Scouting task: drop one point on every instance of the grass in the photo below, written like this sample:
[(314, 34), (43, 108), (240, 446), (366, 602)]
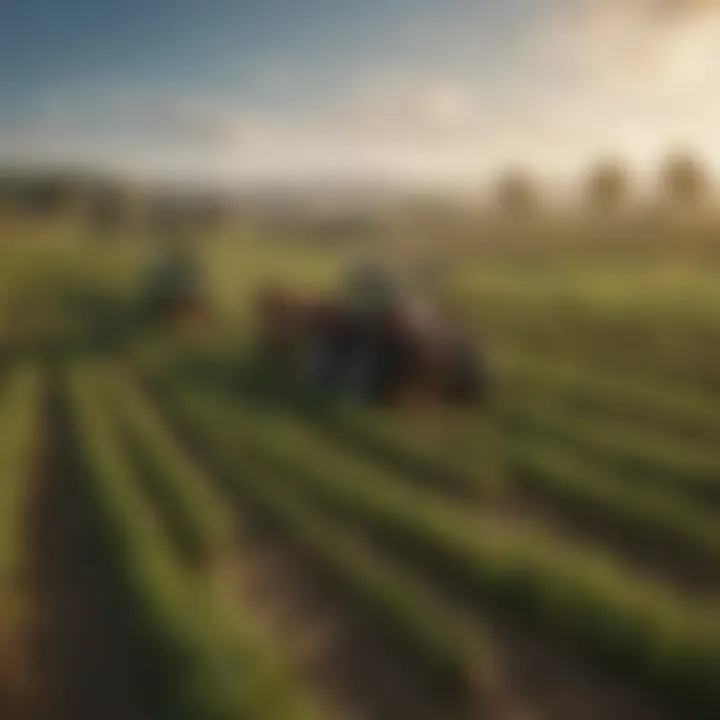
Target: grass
[(609, 368), (638, 456), (452, 646), (640, 626), (198, 657), (625, 397), (19, 436), (203, 522)]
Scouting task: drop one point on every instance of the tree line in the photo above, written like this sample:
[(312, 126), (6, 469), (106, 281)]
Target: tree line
[(109, 204), (681, 181)]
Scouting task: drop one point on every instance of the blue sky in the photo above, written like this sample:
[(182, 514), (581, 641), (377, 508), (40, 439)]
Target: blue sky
[(414, 88)]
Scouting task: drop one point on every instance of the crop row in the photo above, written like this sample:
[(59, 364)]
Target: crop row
[(636, 456), (659, 357), (199, 660), (19, 431), (453, 648), (638, 625), (588, 490), (568, 481), (632, 398), (591, 491), (202, 523)]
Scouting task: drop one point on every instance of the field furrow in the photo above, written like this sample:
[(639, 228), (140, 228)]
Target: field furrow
[(83, 662), (423, 533)]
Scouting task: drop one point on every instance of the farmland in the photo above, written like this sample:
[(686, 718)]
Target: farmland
[(183, 536)]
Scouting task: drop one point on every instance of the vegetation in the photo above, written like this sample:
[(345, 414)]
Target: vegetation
[(580, 508), (637, 624), (199, 660)]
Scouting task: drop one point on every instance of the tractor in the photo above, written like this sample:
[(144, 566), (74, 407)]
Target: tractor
[(371, 343)]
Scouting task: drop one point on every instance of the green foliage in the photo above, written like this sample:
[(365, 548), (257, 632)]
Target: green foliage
[(639, 625), (595, 492), (641, 456), (664, 409), (203, 521), (199, 661), (19, 436)]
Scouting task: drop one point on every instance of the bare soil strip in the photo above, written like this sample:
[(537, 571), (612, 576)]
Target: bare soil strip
[(329, 640), (80, 655)]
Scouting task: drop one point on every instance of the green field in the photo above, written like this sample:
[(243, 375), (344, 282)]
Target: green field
[(182, 537)]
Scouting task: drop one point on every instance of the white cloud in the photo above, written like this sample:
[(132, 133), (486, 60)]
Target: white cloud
[(633, 76)]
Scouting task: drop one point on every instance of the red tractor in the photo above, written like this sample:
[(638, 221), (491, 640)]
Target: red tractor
[(396, 351)]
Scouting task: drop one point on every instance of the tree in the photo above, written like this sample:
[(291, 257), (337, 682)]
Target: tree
[(608, 186), (517, 193), (684, 180)]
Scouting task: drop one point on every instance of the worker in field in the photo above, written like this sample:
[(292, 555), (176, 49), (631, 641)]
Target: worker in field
[(177, 285)]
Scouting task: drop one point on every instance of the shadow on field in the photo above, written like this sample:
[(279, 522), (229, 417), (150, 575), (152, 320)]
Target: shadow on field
[(330, 638), (80, 653)]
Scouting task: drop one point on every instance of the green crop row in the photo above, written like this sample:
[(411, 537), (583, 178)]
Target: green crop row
[(587, 490), (590, 491), (199, 661), (637, 456), (19, 435), (202, 522), (663, 355), (389, 441), (680, 412), (637, 625), (452, 646), (19, 413), (583, 488)]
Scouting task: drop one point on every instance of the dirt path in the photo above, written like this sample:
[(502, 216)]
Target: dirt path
[(80, 657), (331, 642)]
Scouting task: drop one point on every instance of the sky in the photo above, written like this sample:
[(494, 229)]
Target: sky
[(439, 91)]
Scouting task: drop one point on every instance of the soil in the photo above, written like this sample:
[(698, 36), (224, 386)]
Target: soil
[(329, 640), (79, 655), (349, 663)]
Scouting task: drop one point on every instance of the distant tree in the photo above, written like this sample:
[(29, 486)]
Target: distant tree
[(684, 180), (517, 192), (608, 185)]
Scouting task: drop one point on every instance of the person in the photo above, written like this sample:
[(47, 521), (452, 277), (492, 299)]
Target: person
[(176, 281)]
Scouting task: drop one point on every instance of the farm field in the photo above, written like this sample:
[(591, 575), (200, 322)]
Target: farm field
[(184, 536)]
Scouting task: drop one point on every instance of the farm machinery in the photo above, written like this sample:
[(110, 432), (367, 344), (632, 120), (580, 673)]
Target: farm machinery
[(370, 343), (176, 292)]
